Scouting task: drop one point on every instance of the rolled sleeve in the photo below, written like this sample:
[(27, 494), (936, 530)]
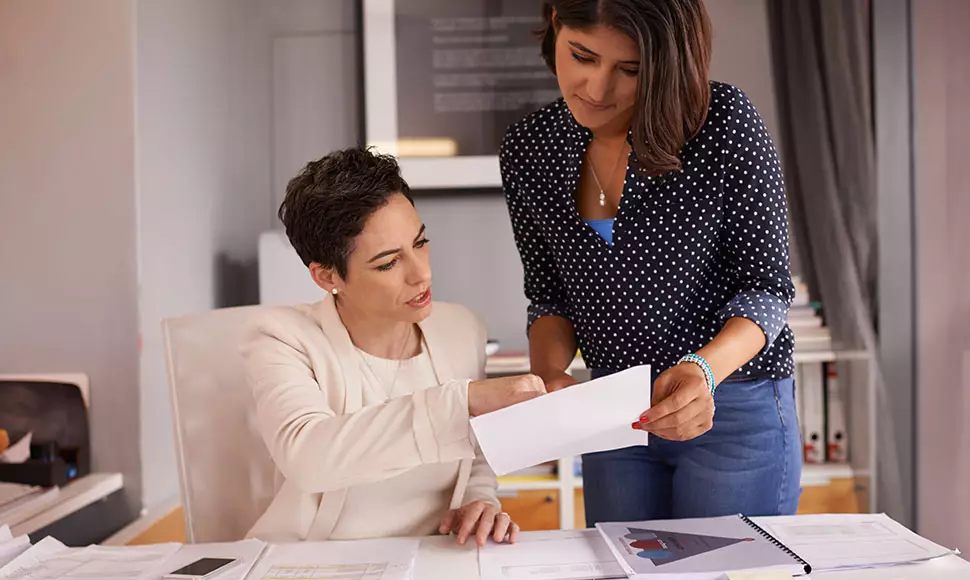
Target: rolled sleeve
[(537, 310), (766, 310)]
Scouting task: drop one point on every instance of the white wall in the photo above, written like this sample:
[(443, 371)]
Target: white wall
[(204, 89), (68, 299), (314, 83), (942, 280), (742, 53)]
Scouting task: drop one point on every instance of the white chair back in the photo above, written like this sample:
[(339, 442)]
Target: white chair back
[(226, 476)]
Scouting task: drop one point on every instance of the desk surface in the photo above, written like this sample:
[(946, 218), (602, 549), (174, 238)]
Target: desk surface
[(441, 558), (74, 496)]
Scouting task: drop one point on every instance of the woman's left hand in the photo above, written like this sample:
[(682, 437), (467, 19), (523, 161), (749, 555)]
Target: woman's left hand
[(681, 406), (481, 519)]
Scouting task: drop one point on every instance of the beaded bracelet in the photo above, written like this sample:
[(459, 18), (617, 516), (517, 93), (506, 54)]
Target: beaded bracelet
[(699, 361)]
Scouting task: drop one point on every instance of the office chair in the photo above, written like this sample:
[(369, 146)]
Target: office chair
[(226, 476)]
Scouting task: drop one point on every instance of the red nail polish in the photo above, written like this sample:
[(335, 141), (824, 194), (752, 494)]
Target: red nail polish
[(635, 425), (643, 419)]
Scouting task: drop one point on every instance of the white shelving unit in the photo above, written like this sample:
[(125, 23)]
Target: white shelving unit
[(73, 497)]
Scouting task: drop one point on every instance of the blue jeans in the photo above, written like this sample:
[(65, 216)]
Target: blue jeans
[(749, 463)]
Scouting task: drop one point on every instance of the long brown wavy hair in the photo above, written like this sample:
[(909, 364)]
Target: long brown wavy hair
[(673, 87)]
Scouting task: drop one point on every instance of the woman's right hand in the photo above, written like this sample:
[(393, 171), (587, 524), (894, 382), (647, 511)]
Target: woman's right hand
[(490, 395)]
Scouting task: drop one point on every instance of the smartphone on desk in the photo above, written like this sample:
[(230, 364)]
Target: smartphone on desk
[(202, 569)]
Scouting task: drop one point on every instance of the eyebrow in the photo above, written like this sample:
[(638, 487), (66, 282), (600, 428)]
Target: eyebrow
[(582, 48), (387, 253)]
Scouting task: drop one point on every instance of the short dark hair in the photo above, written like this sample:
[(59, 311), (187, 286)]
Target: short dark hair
[(673, 93), (328, 203)]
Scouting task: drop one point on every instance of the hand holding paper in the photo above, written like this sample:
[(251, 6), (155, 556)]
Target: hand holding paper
[(683, 407), (489, 395), (584, 418)]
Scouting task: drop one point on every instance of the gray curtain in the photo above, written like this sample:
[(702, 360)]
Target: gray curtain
[(822, 68)]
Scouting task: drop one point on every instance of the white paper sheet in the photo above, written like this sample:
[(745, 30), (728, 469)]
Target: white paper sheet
[(247, 551), (573, 555), (33, 557), (843, 541), (385, 559), (5, 533), (19, 451), (585, 418), (11, 548), (55, 562)]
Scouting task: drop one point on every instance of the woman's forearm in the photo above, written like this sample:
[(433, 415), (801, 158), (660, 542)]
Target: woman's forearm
[(739, 341), (552, 346)]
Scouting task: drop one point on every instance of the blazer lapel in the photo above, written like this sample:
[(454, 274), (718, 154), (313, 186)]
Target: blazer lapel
[(325, 313), (440, 354), (438, 349)]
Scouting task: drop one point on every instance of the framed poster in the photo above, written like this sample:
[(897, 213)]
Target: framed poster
[(443, 80)]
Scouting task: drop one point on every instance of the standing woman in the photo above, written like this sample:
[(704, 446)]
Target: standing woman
[(649, 211)]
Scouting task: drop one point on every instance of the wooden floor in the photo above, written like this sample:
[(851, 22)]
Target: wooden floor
[(838, 497), (538, 510), (170, 528)]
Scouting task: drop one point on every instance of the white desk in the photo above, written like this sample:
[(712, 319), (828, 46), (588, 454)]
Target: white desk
[(73, 497), (441, 558)]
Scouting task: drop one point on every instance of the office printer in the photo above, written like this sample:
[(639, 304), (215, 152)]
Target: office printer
[(54, 411)]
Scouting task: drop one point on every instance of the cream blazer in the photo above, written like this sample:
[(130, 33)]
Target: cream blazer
[(307, 381)]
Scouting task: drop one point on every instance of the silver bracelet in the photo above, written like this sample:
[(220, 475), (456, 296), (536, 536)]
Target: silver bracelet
[(699, 361)]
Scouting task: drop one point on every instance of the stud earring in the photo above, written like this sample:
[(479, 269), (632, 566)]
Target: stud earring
[(334, 291)]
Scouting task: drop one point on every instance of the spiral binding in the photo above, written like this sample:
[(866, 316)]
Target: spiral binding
[(773, 540)]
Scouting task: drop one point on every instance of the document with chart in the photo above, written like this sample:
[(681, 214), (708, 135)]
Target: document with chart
[(698, 548)]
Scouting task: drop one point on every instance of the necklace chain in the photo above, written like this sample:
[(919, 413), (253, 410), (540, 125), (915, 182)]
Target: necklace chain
[(400, 358), (597, 179)]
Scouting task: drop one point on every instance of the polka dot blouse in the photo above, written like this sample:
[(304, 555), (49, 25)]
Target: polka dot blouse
[(691, 249)]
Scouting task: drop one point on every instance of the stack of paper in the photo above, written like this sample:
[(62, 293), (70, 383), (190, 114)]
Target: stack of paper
[(51, 560), (841, 542), (11, 547), (585, 418), (21, 502)]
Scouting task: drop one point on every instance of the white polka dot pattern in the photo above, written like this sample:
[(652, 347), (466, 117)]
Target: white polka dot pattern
[(691, 248)]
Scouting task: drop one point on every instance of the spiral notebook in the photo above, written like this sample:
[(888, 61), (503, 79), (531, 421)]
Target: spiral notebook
[(697, 549)]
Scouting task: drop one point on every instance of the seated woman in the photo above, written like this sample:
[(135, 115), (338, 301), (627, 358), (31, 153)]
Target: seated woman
[(364, 398)]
